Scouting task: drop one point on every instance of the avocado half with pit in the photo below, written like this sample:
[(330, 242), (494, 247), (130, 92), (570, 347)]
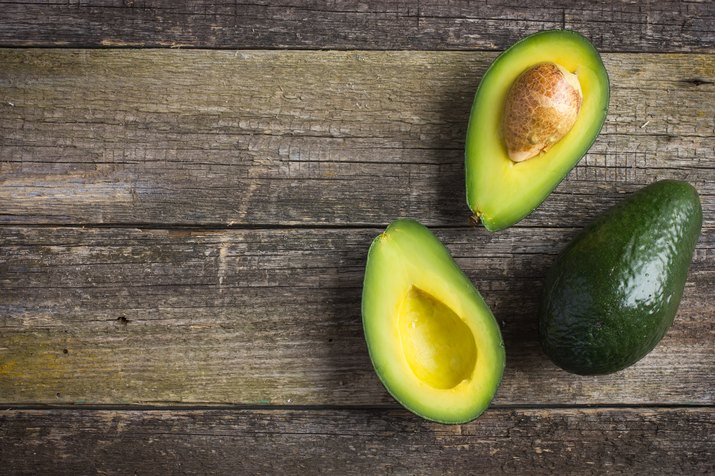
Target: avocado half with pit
[(537, 111), (432, 339)]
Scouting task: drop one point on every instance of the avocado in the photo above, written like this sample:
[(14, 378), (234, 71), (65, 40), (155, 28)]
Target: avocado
[(537, 111), (613, 292), (432, 339)]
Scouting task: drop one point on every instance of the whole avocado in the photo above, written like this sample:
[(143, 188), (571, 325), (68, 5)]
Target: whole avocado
[(614, 291)]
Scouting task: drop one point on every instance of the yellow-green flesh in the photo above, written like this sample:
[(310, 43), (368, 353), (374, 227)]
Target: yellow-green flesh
[(433, 341), (501, 192)]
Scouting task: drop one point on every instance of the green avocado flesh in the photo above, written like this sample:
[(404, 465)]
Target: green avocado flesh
[(614, 291), (501, 192), (432, 339)]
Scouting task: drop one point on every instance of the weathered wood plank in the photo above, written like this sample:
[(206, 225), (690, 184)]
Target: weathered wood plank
[(518, 441), (387, 24), (217, 138), (273, 317)]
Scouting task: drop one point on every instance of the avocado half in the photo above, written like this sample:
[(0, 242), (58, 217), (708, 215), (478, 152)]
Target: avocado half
[(501, 192), (432, 339)]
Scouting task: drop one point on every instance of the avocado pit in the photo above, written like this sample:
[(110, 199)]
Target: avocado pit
[(541, 107)]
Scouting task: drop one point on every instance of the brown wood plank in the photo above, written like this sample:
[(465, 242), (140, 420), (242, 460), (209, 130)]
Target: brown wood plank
[(272, 316), (231, 138), (518, 441), (388, 24)]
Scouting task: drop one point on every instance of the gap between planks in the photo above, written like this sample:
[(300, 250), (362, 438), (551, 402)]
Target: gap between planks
[(178, 406)]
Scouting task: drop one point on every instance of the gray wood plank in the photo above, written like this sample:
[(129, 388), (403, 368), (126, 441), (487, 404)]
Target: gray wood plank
[(272, 317), (518, 441), (269, 137), (388, 24)]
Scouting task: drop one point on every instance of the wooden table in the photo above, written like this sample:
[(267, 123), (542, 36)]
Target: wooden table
[(187, 194)]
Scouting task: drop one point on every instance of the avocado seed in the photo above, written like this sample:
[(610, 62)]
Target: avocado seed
[(540, 109)]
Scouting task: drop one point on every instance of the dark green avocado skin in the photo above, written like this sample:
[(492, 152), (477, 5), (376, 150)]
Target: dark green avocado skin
[(614, 291)]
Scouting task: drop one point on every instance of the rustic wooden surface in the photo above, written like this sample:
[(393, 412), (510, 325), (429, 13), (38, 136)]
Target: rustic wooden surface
[(158, 316), (183, 235), (339, 138), (229, 441), (659, 26)]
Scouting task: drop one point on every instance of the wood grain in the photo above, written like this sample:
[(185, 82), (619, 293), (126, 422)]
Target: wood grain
[(609, 440), (309, 138), (387, 24), (229, 198), (272, 317)]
